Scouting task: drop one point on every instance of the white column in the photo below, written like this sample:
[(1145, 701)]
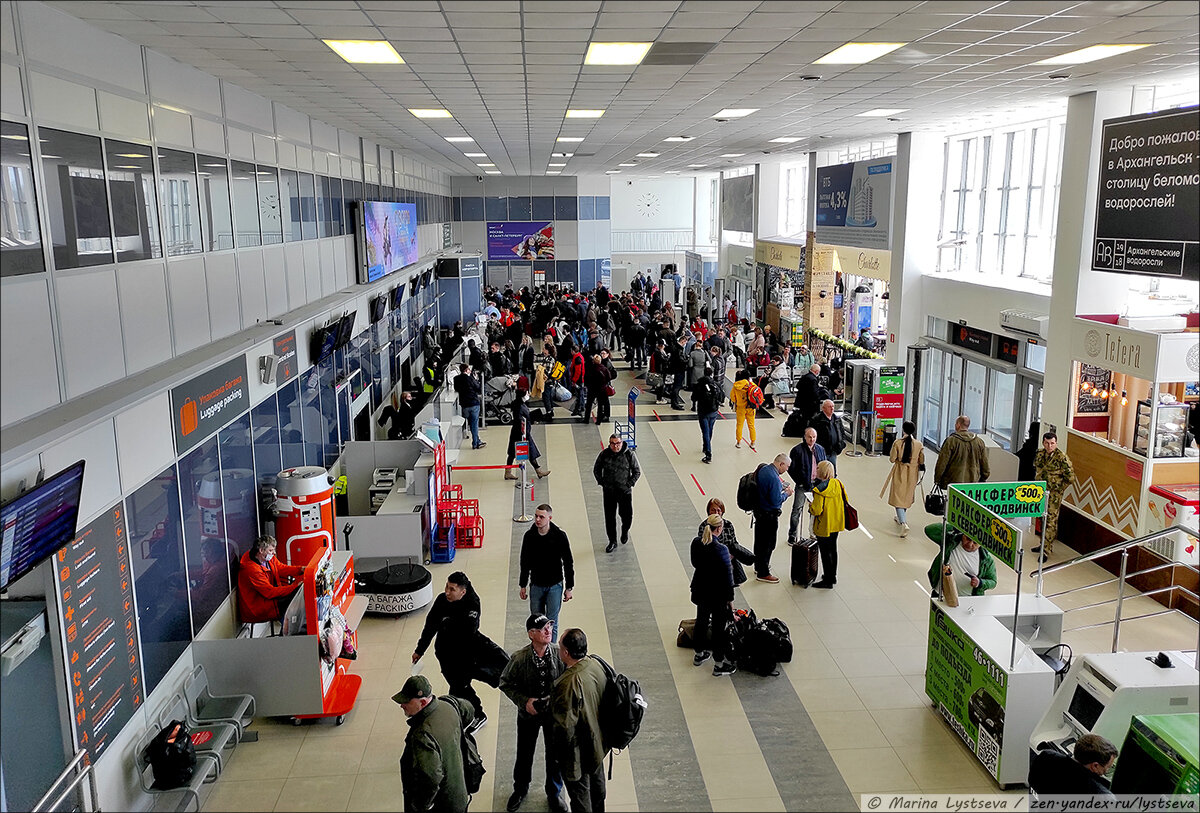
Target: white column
[(914, 236), (1076, 288)]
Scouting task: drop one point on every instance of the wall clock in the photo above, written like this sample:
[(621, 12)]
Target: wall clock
[(648, 204)]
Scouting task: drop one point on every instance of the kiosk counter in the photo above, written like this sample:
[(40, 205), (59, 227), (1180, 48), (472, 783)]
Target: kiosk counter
[(991, 701)]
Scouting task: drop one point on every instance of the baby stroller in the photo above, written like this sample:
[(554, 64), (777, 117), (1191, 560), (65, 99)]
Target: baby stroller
[(499, 397)]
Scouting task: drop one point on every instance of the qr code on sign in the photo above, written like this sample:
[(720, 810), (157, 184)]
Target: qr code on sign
[(988, 751)]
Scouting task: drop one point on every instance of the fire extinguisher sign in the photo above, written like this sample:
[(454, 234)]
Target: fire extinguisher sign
[(204, 404)]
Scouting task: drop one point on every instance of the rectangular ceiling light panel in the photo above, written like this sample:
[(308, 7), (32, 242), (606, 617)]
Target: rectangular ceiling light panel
[(360, 52), (1089, 54), (857, 53), (616, 53), (584, 114), (735, 112), (430, 113)]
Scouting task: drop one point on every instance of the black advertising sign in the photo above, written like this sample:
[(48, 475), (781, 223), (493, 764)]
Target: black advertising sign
[(1007, 349), (104, 662), (971, 338), (1148, 200), (285, 350), (1096, 378), (209, 401)]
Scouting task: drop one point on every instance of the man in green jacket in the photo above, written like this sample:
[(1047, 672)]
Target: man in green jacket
[(575, 705), (973, 568), (1052, 465), (963, 458), (431, 767)]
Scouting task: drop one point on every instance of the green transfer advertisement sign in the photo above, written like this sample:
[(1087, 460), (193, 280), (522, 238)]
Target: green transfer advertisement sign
[(1024, 499), (968, 688), (1000, 538)]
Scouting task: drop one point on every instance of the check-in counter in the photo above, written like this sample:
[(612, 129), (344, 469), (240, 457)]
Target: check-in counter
[(991, 701)]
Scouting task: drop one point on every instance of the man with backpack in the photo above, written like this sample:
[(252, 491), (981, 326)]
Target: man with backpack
[(431, 767), (706, 398), (575, 707), (617, 471), (772, 492)]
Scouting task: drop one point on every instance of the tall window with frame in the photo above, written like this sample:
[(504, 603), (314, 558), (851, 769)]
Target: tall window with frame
[(180, 202), (20, 234), (76, 198), (795, 198), (246, 229), (217, 211), (134, 206)]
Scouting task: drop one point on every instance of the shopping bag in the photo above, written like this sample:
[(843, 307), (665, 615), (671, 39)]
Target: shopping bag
[(949, 587)]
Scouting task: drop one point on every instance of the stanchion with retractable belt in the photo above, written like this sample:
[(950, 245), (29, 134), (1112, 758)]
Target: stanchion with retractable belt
[(521, 456)]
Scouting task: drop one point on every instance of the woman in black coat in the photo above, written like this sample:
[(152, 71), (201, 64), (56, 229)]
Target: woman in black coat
[(522, 425), (738, 555), (712, 593), (598, 373)]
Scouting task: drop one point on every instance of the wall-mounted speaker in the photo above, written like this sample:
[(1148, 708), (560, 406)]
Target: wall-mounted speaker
[(268, 365)]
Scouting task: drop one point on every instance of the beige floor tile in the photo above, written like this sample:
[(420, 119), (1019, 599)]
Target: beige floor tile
[(848, 729), (842, 635), (869, 662), (329, 756), (828, 694), (896, 632), (919, 727), (378, 791), (941, 767), (747, 803), (885, 693), (909, 660), (812, 664), (258, 795), (267, 757), (874, 769), (383, 749), (316, 793)]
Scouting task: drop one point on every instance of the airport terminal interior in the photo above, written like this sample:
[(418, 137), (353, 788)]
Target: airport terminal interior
[(232, 242)]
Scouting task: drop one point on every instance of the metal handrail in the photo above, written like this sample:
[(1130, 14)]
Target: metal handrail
[(1122, 548), (41, 805)]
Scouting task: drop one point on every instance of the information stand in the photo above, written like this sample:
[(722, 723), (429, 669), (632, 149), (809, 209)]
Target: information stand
[(628, 431), (982, 671)]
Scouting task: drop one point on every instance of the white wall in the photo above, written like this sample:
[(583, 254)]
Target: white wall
[(674, 203), (978, 304)]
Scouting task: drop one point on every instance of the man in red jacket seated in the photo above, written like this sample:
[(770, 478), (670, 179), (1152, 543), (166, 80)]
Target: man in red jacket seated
[(264, 585)]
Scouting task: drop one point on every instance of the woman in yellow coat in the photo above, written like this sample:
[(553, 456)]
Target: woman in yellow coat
[(742, 406), (829, 519)]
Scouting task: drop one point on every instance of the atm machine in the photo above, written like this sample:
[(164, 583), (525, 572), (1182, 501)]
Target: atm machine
[(1103, 692)]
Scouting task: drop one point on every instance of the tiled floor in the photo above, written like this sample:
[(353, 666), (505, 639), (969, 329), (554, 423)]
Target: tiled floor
[(847, 716)]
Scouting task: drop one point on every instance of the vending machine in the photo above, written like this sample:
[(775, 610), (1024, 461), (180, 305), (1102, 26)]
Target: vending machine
[(304, 513)]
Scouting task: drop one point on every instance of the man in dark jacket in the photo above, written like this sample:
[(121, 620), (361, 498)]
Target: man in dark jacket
[(575, 706), (808, 392), (617, 471), (772, 491), (805, 456), (635, 344), (498, 361), (706, 399), (527, 681), (468, 400), (1082, 774), (431, 767), (830, 433), (454, 619), (547, 566), (963, 458), (679, 367)]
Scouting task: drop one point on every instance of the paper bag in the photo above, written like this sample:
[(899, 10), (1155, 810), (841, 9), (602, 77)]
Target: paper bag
[(949, 587)]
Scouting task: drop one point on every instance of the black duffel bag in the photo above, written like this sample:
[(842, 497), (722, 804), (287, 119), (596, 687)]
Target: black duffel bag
[(935, 502), (172, 756)]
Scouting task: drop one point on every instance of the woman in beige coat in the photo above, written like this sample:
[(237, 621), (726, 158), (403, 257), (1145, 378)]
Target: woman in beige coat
[(908, 462)]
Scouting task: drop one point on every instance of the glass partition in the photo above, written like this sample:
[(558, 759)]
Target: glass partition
[(76, 199), (216, 210), (20, 234), (245, 205), (1002, 388), (134, 208), (269, 206), (180, 202)]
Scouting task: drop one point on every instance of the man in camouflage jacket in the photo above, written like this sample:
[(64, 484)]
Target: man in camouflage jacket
[(1052, 465)]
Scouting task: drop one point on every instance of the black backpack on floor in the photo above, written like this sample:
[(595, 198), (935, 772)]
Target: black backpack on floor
[(782, 636)]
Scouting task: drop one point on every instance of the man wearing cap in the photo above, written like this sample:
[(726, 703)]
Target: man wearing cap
[(547, 567), (431, 767), (526, 681), (575, 705)]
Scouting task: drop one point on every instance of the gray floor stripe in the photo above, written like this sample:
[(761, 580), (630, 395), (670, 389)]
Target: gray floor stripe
[(808, 779), (515, 637), (666, 772)]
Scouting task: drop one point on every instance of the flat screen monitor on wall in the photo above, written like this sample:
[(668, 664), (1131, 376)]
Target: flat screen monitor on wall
[(397, 296), (387, 238), (379, 306), (324, 341), (39, 522), (346, 329)]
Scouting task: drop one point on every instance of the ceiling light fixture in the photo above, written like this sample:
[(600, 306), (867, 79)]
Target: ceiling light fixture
[(475, 154), (671, 172), (569, 139), (491, 172), (627, 165), (647, 155), (882, 112), (485, 165), (679, 138), (366, 52), (561, 154), (128, 154), (612, 172), (732, 154), (785, 140), (1090, 54), (430, 113), (735, 112), (15, 137), (552, 164), (616, 53), (553, 172), (458, 139), (696, 166), (584, 114), (858, 53)]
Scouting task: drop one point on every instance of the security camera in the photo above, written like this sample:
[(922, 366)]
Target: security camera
[(479, 179), (629, 183)]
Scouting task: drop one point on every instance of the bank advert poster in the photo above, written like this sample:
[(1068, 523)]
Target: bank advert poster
[(520, 240), (854, 204), (969, 689)]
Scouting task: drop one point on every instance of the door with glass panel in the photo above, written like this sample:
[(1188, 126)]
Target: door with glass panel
[(933, 385), (1030, 403), (952, 400)]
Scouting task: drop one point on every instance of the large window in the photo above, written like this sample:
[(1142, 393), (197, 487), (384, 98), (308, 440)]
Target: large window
[(217, 215), (134, 210), (245, 205), (793, 191), (1000, 200), (76, 198), (180, 202), (20, 236)]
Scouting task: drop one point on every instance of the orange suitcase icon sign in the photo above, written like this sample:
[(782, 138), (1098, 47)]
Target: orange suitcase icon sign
[(189, 417)]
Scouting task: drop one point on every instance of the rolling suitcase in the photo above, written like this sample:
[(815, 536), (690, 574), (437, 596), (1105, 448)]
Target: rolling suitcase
[(805, 561)]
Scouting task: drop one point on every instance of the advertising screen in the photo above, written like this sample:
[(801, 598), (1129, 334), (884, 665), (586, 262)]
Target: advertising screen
[(389, 238), (521, 240)]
